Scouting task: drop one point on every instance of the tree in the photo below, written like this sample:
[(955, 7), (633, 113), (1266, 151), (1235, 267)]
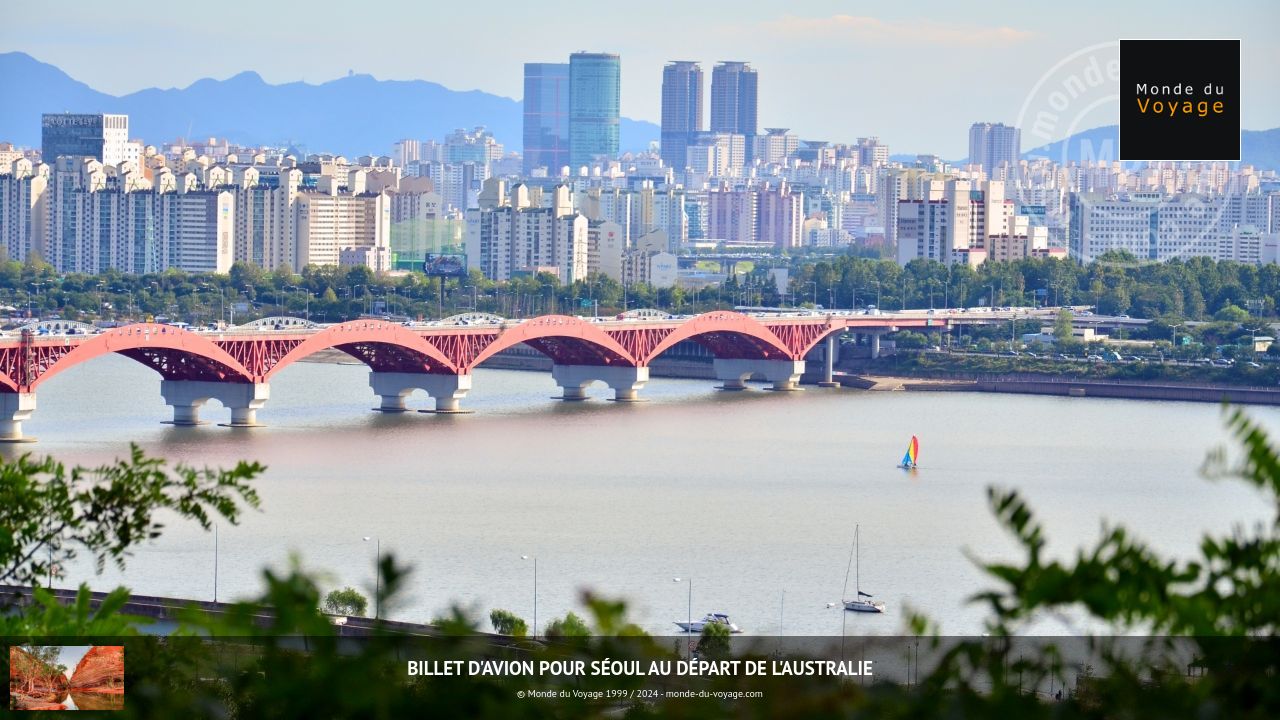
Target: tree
[(1063, 325), (571, 626), (714, 640), (347, 601), (1232, 314), (49, 514), (506, 622)]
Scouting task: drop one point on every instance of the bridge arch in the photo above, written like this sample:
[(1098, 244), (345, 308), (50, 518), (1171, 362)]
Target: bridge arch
[(474, 318), (382, 345), (728, 335), (279, 322), (175, 353), (566, 340)]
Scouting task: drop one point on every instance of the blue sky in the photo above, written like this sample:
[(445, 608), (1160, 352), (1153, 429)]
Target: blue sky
[(914, 73)]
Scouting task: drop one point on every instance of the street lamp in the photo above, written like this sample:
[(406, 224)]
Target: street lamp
[(535, 592), (377, 588), (689, 623), (215, 562)]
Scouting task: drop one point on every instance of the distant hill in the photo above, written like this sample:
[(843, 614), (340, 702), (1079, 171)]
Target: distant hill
[(1259, 148), (353, 115)]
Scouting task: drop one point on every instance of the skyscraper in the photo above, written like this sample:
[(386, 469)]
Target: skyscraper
[(546, 116), (734, 88), (101, 137), (595, 81), (681, 110), (991, 145)]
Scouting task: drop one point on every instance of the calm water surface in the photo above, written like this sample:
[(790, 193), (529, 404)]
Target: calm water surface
[(753, 495)]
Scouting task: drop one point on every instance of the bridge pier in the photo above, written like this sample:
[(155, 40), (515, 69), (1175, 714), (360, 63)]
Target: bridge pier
[(875, 345), (829, 362), (626, 381), (188, 396), (14, 409), (394, 388), (734, 372)]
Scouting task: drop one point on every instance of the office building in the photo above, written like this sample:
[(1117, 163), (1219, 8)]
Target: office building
[(595, 81), (102, 137), (1159, 227), (681, 110), (734, 102), (546, 117)]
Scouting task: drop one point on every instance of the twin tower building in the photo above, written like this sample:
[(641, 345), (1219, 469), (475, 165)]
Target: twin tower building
[(572, 113)]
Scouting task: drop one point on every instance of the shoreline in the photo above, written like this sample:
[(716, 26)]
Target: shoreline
[(1022, 384)]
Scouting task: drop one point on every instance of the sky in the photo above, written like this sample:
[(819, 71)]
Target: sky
[(916, 74), (71, 655)]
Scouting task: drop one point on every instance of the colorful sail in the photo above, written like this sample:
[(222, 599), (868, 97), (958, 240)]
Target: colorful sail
[(913, 452)]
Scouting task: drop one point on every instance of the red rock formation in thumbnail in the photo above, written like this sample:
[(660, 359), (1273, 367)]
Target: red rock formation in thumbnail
[(101, 670)]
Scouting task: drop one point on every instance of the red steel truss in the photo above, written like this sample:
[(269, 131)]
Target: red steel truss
[(254, 355)]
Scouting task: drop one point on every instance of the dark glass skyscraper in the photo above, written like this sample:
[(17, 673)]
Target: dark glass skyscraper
[(595, 82), (734, 101), (546, 116), (681, 110)]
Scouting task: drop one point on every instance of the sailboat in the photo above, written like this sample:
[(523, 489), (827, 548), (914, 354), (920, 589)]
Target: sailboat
[(913, 452), (858, 603)]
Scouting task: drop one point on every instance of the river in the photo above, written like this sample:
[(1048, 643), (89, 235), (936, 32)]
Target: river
[(754, 496)]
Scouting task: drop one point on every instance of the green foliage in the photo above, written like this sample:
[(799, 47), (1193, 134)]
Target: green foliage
[(570, 626), (347, 601), (714, 641), (506, 622), (1063, 325), (49, 515), (1232, 314)]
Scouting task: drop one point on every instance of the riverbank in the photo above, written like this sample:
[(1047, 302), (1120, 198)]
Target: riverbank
[(895, 376)]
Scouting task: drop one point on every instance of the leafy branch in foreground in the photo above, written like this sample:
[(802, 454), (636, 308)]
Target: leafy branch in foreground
[(49, 515), (1232, 589)]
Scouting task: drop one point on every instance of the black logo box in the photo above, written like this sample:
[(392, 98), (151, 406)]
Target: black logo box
[(1188, 65)]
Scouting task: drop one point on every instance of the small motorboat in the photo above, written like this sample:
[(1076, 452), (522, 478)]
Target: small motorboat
[(708, 619)]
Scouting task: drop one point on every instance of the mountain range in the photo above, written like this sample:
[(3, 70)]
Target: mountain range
[(1259, 148), (353, 115), (345, 116)]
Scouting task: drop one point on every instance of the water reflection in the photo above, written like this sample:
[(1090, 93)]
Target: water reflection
[(757, 493)]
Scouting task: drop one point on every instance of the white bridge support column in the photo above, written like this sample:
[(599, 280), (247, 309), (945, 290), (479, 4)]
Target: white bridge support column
[(784, 374), (15, 408), (626, 381), (829, 362), (187, 396), (875, 345), (394, 388)]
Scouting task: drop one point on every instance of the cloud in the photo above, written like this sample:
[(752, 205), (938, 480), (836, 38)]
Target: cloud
[(870, 30)]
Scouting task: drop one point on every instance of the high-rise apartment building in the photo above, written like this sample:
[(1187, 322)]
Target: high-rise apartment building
[(329, 222), (508, 233), (104, 138), (546, 117), (595, 82), (681, 110), (734, 102), (22, 209), (994, 145)]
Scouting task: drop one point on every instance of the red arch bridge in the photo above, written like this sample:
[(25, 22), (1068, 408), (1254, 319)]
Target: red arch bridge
[(235, 365)]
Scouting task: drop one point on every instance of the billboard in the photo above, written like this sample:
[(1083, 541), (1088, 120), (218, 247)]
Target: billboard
[(445, 265)]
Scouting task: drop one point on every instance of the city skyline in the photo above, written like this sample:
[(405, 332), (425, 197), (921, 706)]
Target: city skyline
[(815, 61)]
